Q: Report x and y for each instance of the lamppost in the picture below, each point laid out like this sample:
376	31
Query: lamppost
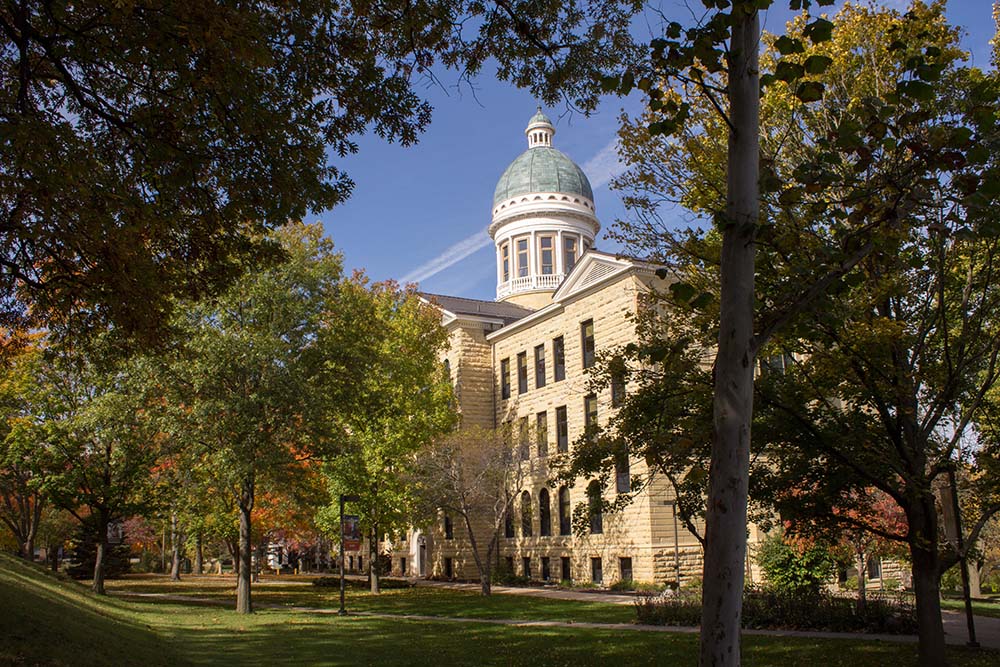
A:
343	499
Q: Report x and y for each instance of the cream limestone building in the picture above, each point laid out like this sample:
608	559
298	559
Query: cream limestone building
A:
523	360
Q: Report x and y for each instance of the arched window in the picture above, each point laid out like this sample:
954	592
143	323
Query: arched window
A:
525	514
544	513
564	519
595	507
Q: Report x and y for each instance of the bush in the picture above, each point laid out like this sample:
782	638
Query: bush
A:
776	609
637	586
384	583
794	571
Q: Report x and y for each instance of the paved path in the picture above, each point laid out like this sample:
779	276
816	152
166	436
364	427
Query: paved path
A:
987	629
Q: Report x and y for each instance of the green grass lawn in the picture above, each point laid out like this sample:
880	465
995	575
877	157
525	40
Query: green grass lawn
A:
52	622
979	607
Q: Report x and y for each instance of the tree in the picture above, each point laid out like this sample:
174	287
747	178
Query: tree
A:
850	162
472	474
149	145
257	383
402	401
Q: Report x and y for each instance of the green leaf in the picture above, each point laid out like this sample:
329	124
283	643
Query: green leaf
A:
682	292
918	90
788	71
809	91
817	64
702	300
787	46
819	30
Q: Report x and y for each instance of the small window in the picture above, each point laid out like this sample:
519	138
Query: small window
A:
874	568
509	560
558	359
623	479
546	575
449	568
361	567
587	342
567	572
526	567
546	255
544	514
522	257
524	442
539	366
402	567
590	415
522	372
505	378
595	508
508	524
565	525
562	430
352	563
617	390
526	514
625	569
570	245
596	572
542	433
505	260
449	529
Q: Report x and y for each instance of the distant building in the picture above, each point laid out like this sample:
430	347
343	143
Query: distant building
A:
523	360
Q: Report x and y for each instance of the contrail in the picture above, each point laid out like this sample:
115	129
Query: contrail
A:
454	254
600	169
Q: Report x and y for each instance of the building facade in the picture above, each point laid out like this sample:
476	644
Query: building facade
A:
523	360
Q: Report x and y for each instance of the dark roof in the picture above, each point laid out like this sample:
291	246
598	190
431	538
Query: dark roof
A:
508	312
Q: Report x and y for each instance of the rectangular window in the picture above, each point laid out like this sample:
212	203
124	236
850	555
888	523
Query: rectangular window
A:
449	568
522	372
505	260
546	255
509	560
526	567
505	378
449	529
590	414
623	477
596	573
562	430
625	569
617	390
402	567
545	568
569	253
352	563
542	433
525	443
558	359
361	567
874	567
539	366
522	257
567	573
587	343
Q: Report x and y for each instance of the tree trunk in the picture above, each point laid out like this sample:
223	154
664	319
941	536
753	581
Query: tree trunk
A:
102	545
482	564
36	518
726	514
861	581
175	547
923	541
974	584
373	564
54	557
199	560
243	603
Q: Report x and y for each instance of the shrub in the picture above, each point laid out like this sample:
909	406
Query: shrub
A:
384	582
794	571
776	609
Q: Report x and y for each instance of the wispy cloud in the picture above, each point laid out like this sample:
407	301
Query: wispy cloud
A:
604	166
451	256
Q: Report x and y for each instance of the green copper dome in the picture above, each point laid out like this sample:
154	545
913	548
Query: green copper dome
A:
542	169
539	117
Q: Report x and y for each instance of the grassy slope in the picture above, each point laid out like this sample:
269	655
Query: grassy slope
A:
51	621
47	621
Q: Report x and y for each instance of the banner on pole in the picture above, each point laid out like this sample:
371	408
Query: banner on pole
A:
351	532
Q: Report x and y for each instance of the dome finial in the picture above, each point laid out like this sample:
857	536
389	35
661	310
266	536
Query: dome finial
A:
540	130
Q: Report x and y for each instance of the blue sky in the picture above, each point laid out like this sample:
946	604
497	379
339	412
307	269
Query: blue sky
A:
420	213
